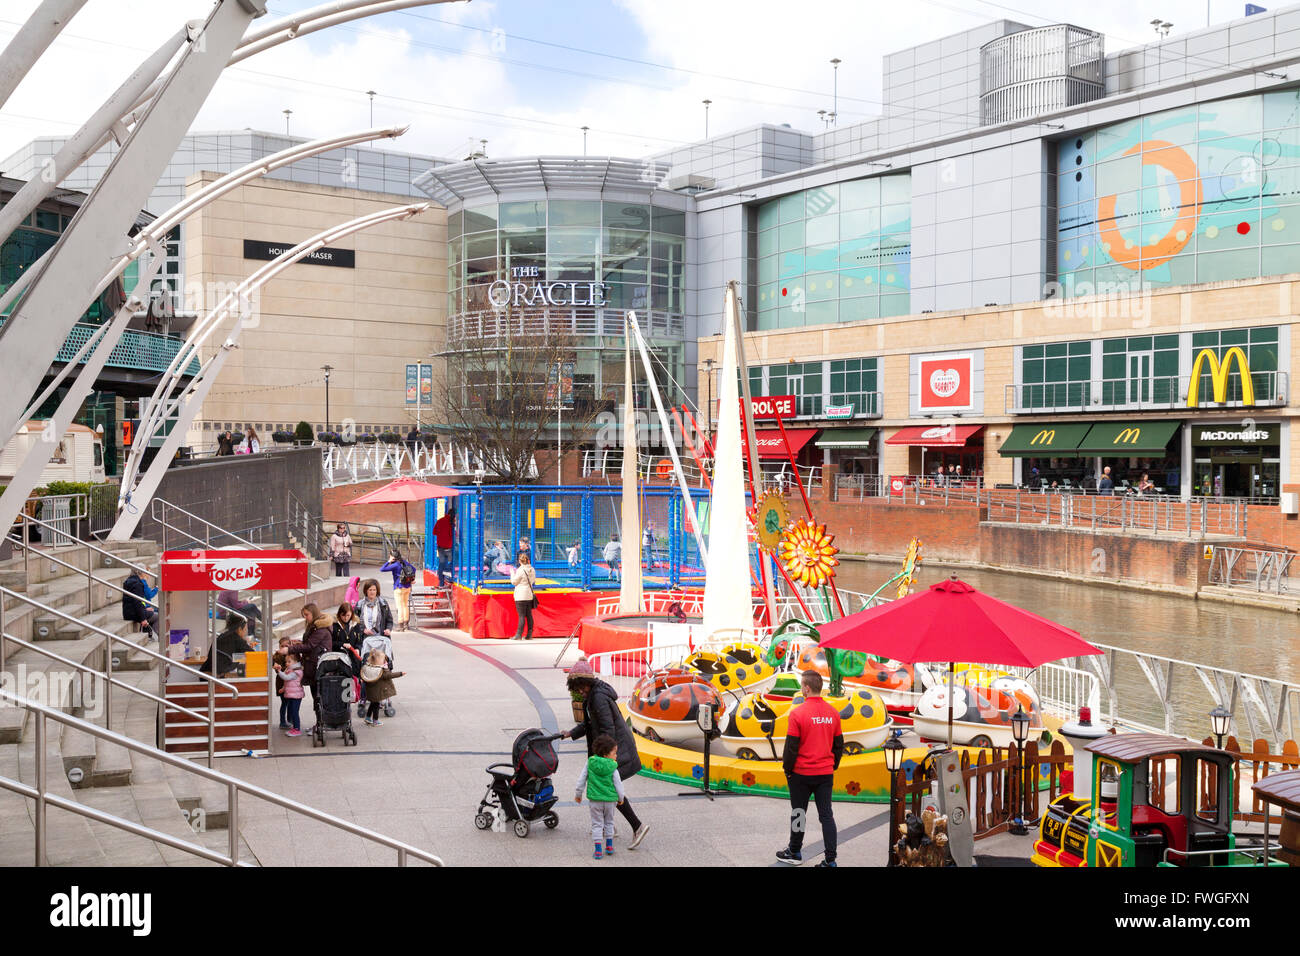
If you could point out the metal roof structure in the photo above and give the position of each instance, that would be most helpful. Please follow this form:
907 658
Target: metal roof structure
463 182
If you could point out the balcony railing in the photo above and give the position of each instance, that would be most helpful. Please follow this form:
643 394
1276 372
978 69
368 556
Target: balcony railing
1129 394
578 322
139 351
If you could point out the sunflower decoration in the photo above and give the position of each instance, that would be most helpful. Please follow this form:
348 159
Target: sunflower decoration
770 519
808 553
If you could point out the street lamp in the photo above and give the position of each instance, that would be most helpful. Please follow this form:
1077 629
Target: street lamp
894 749
708 408
327 369
706 117
1220 717
371 94
835 101
1020 731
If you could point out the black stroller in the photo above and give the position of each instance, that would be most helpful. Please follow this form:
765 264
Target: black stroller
522 791
333 698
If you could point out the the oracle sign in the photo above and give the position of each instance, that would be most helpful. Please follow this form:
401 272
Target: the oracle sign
505 292
945 382
235 575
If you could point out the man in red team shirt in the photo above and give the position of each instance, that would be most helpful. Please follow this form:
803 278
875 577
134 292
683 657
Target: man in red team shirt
814 745
444 531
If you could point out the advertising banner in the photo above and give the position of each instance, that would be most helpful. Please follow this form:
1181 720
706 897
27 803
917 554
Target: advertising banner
946 382
426 385
412 385
234 570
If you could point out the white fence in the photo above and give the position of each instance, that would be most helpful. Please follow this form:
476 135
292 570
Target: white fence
373 461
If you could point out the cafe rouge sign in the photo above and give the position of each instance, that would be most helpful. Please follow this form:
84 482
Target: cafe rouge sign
527 287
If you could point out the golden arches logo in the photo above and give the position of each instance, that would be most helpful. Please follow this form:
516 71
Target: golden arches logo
1182 167
1128 436
1045 437
1219 376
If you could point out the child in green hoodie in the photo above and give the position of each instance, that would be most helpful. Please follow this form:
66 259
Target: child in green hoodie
604 789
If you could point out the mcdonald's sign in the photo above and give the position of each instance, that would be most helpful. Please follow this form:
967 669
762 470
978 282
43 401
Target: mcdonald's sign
1128 436
1045 436
1219 376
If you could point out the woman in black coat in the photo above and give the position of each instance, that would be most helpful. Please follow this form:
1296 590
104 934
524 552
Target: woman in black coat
602 716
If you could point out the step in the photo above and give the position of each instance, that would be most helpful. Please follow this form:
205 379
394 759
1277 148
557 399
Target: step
78 749
112 765
49 628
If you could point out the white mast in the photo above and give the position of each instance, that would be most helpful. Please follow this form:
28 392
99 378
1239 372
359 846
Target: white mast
727 596
630 595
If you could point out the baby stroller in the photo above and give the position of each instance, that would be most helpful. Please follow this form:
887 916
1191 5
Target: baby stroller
333 698
385 644
522 791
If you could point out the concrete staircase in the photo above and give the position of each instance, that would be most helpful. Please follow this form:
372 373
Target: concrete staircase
80 767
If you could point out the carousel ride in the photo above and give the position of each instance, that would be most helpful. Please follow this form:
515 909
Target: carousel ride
770 585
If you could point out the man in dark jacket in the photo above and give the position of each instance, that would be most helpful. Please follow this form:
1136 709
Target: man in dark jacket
602 716
814 744
133 608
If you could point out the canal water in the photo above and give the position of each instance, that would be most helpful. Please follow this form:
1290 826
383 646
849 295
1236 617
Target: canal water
1254 640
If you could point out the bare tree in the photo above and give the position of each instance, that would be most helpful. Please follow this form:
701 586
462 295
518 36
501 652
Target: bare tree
505 373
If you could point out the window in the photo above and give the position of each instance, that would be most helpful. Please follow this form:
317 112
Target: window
1261 348
1058 375
853 382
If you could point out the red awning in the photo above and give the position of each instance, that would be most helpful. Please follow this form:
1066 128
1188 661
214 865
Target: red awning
934 436
770 444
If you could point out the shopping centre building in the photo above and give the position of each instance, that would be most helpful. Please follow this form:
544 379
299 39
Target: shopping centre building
1042 261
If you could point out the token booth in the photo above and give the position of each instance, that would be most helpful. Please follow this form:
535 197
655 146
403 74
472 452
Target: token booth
207 599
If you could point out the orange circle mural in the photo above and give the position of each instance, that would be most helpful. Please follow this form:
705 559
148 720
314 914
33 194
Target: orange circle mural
1176 161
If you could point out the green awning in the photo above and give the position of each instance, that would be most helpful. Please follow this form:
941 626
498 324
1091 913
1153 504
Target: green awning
1128 438
1045 440
846 438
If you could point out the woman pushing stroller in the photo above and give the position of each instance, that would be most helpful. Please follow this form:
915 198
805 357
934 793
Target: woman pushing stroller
601 716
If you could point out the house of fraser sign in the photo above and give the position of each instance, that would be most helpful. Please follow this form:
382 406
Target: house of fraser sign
527 287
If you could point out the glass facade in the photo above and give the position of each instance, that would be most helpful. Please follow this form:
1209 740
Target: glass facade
1143 370
1202 193
1261 348
636 249
836 253
635 252
818 384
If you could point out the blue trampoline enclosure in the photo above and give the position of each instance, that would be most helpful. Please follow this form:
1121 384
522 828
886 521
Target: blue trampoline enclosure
567 528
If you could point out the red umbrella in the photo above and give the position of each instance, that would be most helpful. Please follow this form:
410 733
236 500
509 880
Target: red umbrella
951 621
403 491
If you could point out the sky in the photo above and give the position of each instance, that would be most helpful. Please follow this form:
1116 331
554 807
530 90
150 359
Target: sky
527 75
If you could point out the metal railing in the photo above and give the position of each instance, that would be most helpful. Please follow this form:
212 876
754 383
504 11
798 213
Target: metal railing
160 510
40 794
1154 514
375 461
88 570
1139 394
1162 702
107 673
608 463
209 529
476 327
1254 568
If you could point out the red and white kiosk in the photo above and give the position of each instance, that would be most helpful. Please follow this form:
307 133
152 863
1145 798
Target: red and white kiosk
192 617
